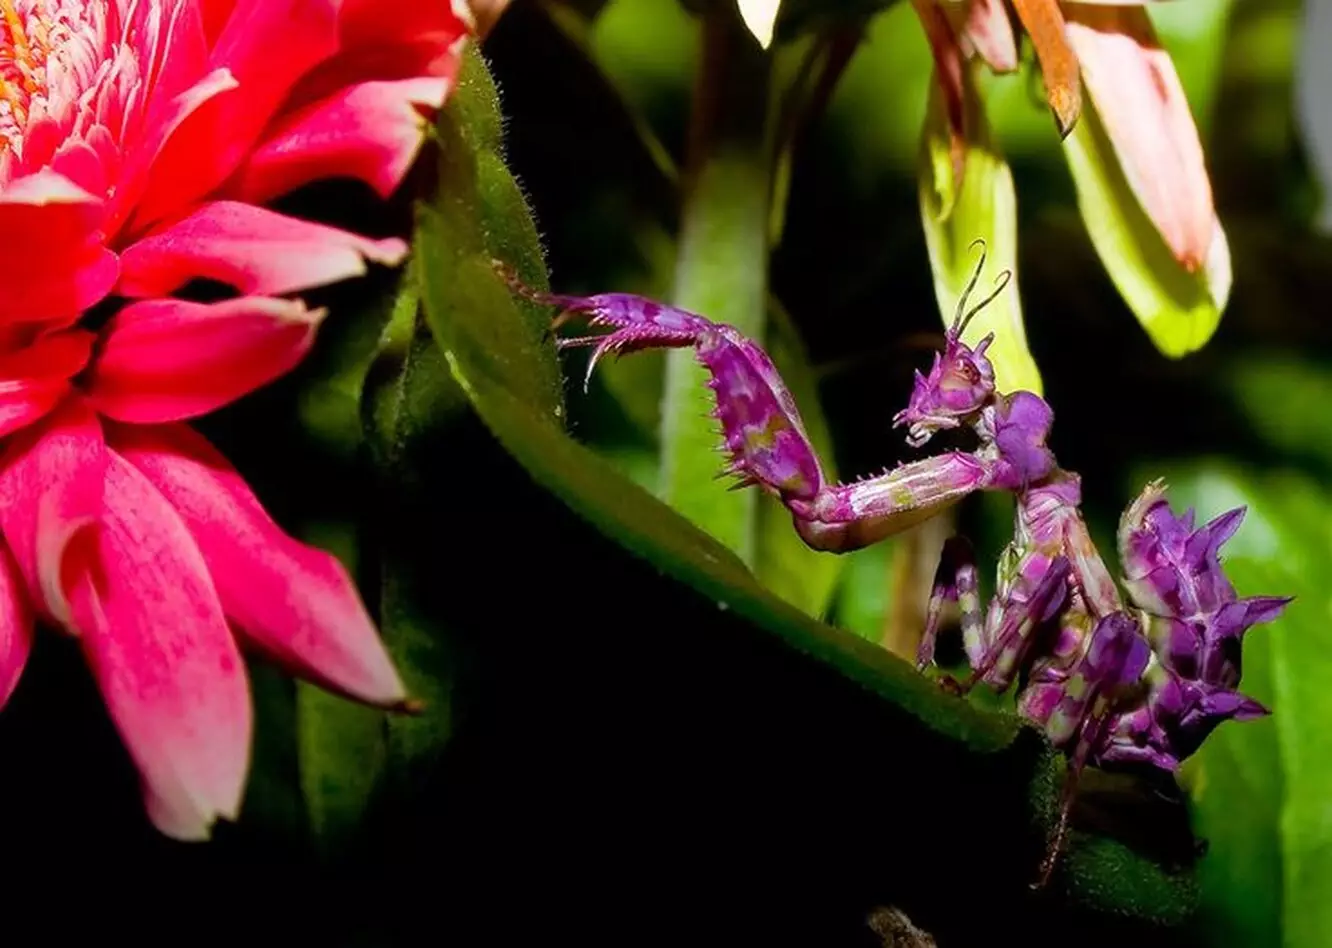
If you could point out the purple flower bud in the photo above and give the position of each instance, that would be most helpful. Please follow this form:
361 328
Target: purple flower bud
1172 724
1174 572
1207 648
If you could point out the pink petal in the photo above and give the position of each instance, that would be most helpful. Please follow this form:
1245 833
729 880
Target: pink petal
80 163
371 132
35 378
54 265
1138 95
158 644
295 602
169 359
51 479
988 30
255 250
16 625
41 137
215 14
179 51
388 40
135 175
267 45
385 22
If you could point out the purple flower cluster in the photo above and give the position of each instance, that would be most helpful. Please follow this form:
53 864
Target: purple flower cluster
1195 622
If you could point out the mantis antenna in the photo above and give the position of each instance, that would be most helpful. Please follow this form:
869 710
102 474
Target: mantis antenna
961 318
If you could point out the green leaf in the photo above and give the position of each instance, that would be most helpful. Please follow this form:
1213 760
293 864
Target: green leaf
342 754
954 214
340 744
341 747
388 379
1260 788
413 409
478 216
329 404
1179 310
273 796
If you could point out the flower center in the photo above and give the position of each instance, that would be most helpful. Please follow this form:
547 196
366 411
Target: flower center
25 46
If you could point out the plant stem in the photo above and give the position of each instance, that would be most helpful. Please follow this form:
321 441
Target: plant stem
722 269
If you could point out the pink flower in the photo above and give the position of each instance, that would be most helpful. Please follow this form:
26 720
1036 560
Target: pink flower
139 140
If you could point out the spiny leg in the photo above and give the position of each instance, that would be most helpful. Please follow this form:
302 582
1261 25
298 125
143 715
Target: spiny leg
954 581
1109 672
844 517
1076 764
765 438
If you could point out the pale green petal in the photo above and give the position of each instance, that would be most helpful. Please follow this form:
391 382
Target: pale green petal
1179 310
984 206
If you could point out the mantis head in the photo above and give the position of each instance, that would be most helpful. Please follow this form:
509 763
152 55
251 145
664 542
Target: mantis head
961 381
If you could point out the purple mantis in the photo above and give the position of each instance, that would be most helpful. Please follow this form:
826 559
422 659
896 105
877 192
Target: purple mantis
1108 682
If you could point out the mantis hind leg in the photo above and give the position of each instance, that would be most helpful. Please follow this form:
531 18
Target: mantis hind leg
1037 591
954 581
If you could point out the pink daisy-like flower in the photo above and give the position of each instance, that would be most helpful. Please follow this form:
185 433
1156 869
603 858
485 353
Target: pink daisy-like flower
139 141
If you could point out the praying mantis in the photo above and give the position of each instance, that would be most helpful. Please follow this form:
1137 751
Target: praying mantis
1108 680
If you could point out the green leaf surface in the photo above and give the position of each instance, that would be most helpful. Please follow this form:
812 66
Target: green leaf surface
388 379
983 205
340 744
329 404
342 755
1261 789
1179 310
410 411
341 747
479 216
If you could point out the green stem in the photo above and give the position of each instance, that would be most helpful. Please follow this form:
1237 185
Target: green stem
722 270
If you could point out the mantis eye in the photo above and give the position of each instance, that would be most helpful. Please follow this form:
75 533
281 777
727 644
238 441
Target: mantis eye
960 375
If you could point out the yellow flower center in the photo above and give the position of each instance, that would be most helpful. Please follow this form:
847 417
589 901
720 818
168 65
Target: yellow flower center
25 44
